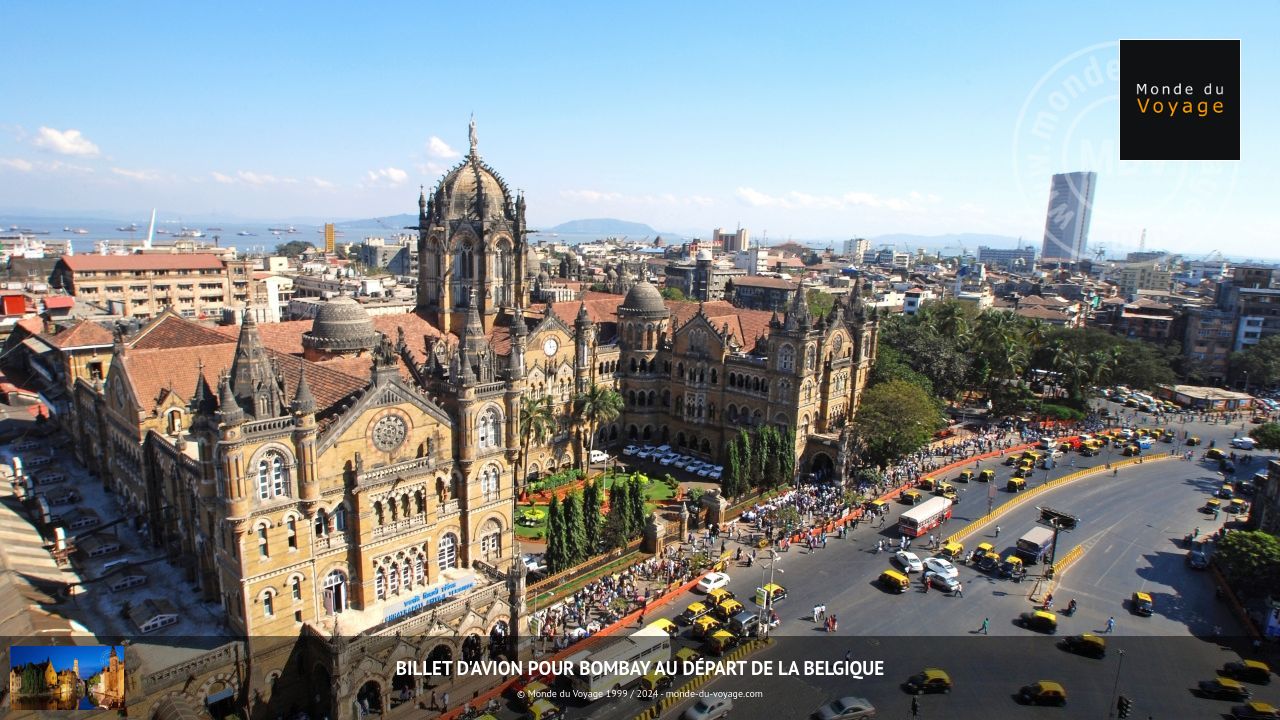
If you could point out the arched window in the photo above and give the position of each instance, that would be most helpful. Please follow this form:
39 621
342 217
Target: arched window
447 553
393 580
406 573
263 549
335 591
380 584
418 570
273 482
465 262
175 421
340 518
322 523
296 586
810 357
269 603
489 483
491 540
291 532
489 429
713 376
786 358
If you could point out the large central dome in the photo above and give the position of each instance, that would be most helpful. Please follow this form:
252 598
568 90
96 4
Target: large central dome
471 190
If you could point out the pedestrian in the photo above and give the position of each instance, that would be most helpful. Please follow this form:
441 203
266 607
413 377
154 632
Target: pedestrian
444 702
822 612
986 625
1111 624
433 700
915 707
816 610
959 589
997 531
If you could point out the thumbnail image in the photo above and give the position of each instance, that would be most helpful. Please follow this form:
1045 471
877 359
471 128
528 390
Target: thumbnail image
75 677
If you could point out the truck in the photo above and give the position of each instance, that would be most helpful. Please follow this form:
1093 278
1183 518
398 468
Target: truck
1035 544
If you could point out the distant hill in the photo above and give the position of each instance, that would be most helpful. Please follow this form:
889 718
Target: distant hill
602 226
970 241
394 221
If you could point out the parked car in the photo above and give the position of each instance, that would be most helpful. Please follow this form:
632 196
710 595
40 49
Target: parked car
599 456
1224 689
630 450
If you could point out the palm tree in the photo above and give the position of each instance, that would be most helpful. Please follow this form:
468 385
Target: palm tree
597 405
537 423
949 319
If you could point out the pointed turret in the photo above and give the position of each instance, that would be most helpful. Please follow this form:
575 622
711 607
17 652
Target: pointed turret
798 317
229 411
304 403
254 379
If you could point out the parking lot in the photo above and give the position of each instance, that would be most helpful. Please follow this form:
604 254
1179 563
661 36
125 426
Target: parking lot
657 460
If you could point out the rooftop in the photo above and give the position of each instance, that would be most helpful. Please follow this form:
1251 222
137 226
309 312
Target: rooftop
171 261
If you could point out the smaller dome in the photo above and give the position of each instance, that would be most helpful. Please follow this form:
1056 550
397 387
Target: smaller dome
644 297
341 325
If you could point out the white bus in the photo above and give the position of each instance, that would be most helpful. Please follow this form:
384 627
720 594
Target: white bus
924 517
648 644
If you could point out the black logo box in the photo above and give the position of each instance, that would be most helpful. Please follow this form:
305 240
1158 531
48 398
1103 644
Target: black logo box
1154 124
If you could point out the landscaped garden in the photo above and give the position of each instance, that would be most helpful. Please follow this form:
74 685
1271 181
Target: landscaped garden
532 511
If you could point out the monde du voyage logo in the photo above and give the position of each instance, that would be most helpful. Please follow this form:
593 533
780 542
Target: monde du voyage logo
1179 99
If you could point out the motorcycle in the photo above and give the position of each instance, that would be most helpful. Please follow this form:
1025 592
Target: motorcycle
1071 609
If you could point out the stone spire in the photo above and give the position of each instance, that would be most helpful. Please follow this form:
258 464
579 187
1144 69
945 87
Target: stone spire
798 317
304 403
229 411
254 380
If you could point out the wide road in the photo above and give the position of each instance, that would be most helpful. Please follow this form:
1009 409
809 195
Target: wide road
1131 528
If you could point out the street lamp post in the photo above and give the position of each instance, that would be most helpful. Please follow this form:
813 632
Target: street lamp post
1115 688
767 605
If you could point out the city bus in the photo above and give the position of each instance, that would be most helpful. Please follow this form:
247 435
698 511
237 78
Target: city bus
924 517
648 644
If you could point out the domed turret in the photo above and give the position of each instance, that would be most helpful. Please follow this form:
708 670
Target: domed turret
341 327
644 297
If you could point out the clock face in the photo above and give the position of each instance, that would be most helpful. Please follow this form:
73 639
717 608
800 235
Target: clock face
550 346
389 432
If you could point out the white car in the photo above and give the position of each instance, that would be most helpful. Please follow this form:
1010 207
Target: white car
941 566
909 561
846 708
664 449
713 581
599 456
680 461
695 466
668 459
706 471
709 708
644 453
630 450
715 474
1243 443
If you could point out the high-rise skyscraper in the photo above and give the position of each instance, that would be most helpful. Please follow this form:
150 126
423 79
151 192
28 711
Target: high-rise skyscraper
1066 226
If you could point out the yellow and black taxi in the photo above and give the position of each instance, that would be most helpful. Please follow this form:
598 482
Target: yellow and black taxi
1237 506
1016 483
929 680
989 561
911 497
666 626
717 596
1041 621
1193 441
926 484
1132 450
964 476
1252 671
703 626
1211 506
1255 711
987 475
655 681
1225 491
894 581
951 550
687 655
770 594
1023 471
1012 460
721 642
695 611
1167 436
532 692
1214 454
728 609
948 491
1086 644
544 710
1045 692
876 507
1142 604
1221 688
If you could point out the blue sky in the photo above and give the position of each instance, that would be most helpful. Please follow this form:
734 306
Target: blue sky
806 121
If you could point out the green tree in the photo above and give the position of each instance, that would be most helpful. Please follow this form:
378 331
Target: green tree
617 530
820 303
591 518
787 457
895 419
730 479
889 365
537 423
635 508
746 457
673 293
773 456
1259 364
557 559
293 248
575 529
1267 435
596 406
1250 561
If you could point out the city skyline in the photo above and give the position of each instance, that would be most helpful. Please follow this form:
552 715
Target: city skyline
838 122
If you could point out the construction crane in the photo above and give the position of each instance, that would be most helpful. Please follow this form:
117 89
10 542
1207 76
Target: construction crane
1100 253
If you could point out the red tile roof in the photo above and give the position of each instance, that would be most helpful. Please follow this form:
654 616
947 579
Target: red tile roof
149 261
763 281
82 334
170 330
59 302
744 325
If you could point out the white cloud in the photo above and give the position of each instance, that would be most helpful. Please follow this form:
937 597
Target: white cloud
796 200
438 148
431 169
65 142
16 164
660 199
136 174
224 179
390 175
259 179
322 184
